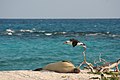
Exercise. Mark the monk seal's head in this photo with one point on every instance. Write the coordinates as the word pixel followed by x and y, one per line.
pixel 76 70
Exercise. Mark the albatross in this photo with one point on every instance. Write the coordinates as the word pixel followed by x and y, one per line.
pixel 75 42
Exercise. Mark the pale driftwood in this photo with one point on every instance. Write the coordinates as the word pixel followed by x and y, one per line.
pixel 89 65
pixel 100 60
pixel 106 67
pixel 110 66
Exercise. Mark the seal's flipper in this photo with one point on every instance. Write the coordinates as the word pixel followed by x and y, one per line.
pixel 38 69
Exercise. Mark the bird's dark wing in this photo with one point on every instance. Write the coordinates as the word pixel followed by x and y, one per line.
pixel 74 43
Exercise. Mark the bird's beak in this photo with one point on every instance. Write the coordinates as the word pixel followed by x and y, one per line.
pixel 65 43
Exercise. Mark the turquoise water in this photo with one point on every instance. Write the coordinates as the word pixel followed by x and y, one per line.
pixel 33 43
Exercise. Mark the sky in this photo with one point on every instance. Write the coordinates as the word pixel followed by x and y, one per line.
pixel 59 9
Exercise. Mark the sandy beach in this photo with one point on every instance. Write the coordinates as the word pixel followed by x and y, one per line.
pixel 45 75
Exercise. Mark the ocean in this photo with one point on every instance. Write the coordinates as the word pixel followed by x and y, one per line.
pixel 27 44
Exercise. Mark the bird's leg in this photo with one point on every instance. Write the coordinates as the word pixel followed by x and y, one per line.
pixel 84 57
pixel 84 62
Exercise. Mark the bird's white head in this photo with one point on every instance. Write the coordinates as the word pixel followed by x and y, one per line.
pixel 68 42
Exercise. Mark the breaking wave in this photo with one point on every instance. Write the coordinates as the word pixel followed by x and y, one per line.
pixel 34 32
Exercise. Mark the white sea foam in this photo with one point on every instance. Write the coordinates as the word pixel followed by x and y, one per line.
pixel 64 32
pixel 95 34
pixel 108 32
pixel 34 29
pixel 48 34
pixel 60 32
pixel 26 30
pixel 10 31
pixel 37 35
pixel 92 34
pixel 115 35
pixel 55 32
pixel 42 31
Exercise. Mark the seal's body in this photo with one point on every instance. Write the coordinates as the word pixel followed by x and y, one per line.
pixel 61 66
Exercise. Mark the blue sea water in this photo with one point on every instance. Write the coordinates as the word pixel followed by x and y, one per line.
pixel 33 43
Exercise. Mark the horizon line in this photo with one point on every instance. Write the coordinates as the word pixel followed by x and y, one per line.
pixel 65 18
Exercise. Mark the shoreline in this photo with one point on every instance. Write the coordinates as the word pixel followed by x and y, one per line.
pixel 45 75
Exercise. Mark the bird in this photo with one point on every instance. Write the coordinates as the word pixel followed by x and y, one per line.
pixel 75 42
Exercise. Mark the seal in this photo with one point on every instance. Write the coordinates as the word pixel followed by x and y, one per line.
pixel 61 67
